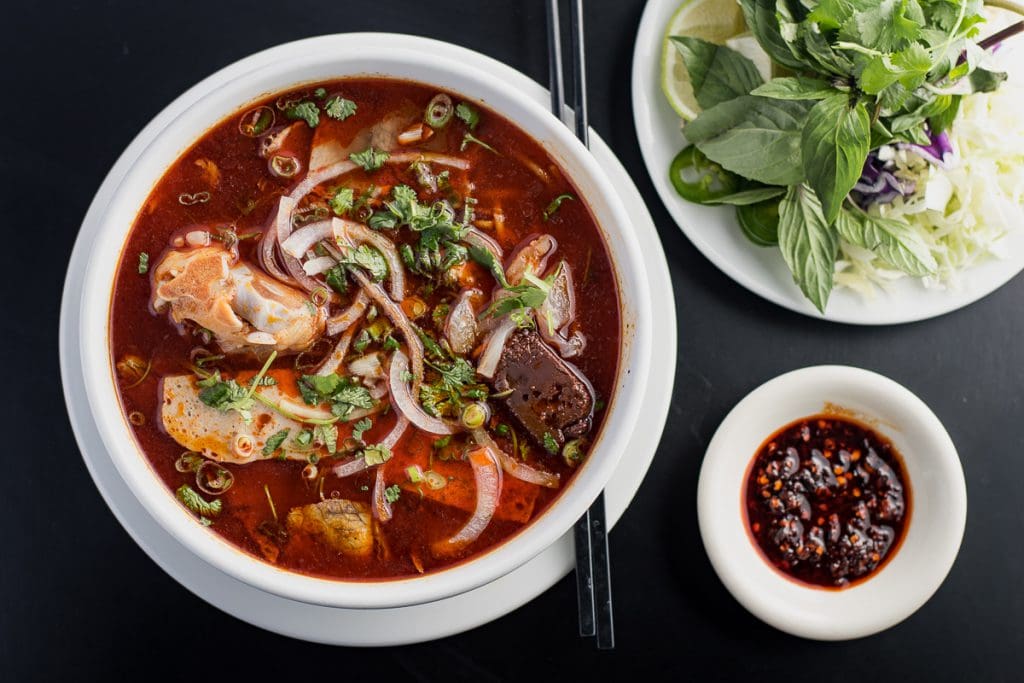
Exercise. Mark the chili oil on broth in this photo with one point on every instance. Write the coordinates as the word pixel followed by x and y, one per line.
pixel 244 194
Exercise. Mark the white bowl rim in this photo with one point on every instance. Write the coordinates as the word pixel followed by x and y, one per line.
pixel 406 54
pixel 891 594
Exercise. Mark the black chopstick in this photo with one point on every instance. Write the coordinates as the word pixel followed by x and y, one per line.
pixel 593 571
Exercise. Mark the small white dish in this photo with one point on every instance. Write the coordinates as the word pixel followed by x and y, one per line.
pixel 715 232
pixel 938 510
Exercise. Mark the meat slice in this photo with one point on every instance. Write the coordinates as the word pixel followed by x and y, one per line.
pixel 344 525
pixel 548 395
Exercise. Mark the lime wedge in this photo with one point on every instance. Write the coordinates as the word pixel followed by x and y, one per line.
pixel 713 20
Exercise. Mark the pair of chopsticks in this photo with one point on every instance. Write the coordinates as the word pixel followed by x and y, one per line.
pixel 593 573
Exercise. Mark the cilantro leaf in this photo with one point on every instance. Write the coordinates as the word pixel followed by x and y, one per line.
pixel 360 428
pixel 468 115
pixel 194 502
pixel 377 454
pixel 392 493
pixel 274 442
pixel 226 395
pixel 370 159
pixel 304 111
pixel 550 444
pixel 143 263
pixel 339 108
pixel 328 436
pixel 342 200
pixel 370 259
pixel 470 138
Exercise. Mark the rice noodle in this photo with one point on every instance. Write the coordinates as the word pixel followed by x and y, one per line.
pixel 487 474
pixel 397 316
pixel 268 245
pixel 512 466
pixel 361 234
pixel 350 315
pixel 493 346
pixel 406 403
pixel 475 238
pixel 318 265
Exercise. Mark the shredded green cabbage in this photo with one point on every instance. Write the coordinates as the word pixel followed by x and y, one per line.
pixel 964 213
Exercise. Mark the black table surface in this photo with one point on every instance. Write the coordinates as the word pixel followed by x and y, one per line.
pixel 81 601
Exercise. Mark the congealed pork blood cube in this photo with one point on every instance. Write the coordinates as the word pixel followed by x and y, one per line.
pixel 549 395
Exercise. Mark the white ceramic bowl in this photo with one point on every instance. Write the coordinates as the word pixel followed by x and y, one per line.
pixel 938 509
pixel 375 55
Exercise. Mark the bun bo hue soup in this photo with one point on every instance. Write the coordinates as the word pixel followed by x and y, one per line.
pixel 365 329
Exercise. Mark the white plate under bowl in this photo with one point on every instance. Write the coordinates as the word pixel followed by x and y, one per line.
pixel 382 626
pixel 715 232
pixel 938 504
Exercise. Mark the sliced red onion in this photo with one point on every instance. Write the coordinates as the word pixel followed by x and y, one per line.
pixel 268 245
pixel 558 312
pixel 381 506
pixel 396 433
pixel 429 157
pixel 482 240
pixel 532 255
pixel 349 468
pixel 337 355
pixel 487 474
pixel 283 226
pixel 320 176
pixel 406 404
pixel 303 239
pixel 493 346
pixel 361 234
pixel 394 313
pixel 318 265
pixel 512 466
pixel 350 315
pixel 460 326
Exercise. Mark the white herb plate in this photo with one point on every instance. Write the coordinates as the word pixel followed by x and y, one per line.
pixel 715 232
pixel 349 626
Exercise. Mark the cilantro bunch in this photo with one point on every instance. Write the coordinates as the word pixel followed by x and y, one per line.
pixel 858 74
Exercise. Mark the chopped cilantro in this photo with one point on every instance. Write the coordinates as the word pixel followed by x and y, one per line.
pixel 392 493
pixel 468 115
pixel 339 108
pixel 226 395
pixel 370 159
pixel 377 454
pixel 342 201
pixel 304 111
pixel 341 393
pixel 337 280
pixel 328 436
pixel 550 445
pixel 370 259
pixel 469 138
pixel 143 263
pixel 274 442
pixel 320 93
pixel 304 438
pixel 194 502
pixel 362 341
pixel 361 427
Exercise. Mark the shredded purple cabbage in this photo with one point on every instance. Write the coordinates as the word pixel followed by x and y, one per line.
pixel 879 185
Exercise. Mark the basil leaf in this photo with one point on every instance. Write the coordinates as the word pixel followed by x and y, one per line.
pixel 795 88
pixel 764 24
pixel 808 244
pixel 717 73
pixel 756 137
pixel 891 240
pixel 744 197
pixel 834 146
